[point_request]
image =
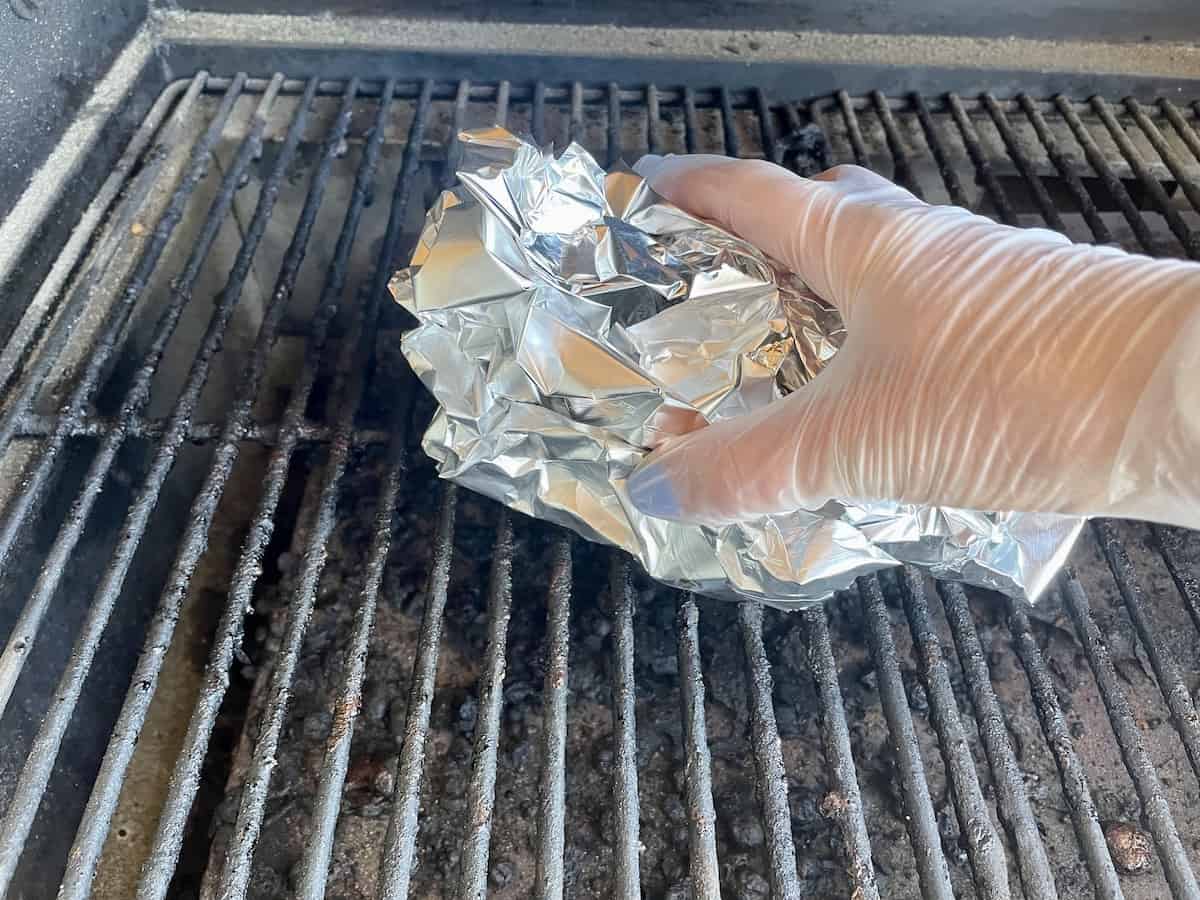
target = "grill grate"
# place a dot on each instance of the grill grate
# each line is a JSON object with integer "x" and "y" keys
{"x": 1127, "y": 173}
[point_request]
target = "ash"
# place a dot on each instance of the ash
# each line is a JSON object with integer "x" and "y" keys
{"x": 367, "y": 798}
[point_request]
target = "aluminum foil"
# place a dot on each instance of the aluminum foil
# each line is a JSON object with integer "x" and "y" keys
{"x": 570, "y": 320}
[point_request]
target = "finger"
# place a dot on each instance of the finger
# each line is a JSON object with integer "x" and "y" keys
{"x": 790, "y": 218}
{"x": 773, "y": 460}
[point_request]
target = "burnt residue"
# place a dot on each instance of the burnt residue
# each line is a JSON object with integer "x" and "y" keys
{"x": 1131, "y": 848}
{"x": 670, "y": 719}
{"x": 680, "y": 768}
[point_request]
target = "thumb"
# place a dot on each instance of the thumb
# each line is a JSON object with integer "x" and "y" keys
{"x": 778, "y": 458}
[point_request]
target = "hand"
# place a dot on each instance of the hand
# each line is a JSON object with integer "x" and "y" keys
{"x": 985, "y": 366}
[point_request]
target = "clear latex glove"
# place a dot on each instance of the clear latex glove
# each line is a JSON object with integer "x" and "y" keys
{"x": 985, "y": 367}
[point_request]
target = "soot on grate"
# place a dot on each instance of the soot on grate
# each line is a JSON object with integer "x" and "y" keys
{"x": 432, "y": 697}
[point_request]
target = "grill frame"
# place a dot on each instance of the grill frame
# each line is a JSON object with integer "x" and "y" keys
{"x": 990, "y": 875}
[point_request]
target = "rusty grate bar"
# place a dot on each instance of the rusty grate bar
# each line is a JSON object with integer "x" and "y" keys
{"x": 1044, "y": 204}
{"x": 19, "y": 643}
{"x": 1151, "y": 184}
{"x": 35, "y": 426}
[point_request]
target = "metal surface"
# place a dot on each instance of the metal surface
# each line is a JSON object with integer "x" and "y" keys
{"x": 1111, "y": 171}
{"x": 701, "y": 814}
{"x": 625, "y": 782}
{"x": 472, "y": 881}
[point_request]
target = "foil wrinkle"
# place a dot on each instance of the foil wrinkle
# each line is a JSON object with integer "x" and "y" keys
{"x": 570, "y": 320}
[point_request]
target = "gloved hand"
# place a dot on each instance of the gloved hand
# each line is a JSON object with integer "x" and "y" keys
{"x": 985, "y": 366}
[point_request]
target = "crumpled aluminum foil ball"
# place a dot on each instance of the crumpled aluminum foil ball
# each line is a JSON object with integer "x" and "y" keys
{"x": 570, "y": 320}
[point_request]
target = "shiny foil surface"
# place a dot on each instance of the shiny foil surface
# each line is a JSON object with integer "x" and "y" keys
{"x": 570, "y": 320}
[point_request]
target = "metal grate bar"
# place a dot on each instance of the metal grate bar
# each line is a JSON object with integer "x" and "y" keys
{"x": 314, "y": 865}
{"x": 235, "y": 873}
{"x": 473, "y": 868}
{"x": 552, "y": 771}
{"x": 984, "y": 849}
{"x": 844, "y": 801}
{"x": 538, "y": 118}
{"x": 983, "y": 165}
{"x": 45, "y": 306}
{"x": 557, "y": 92}
{"x": 176, "y": 99}
{"x": 690, "y": 126}
{"x": 625, "y": 774}
{"x": 1074, "y": 779}
{"x": 933, "y": 140}
{"x": 903, "y": 173}
{"x": 1152, "y": 185}
{"x": 503, "y": 91}
{"x": 472, "y": 877}
{"x": 395, "y": 868}
{"x": 771, "y": 785}
{"x": 1012, "y": 798}
{"x": 733, "y": 145}
{"x": 843, "y": 804}
{"x": 1066, "y": 166}
{"x": 60, "y": 333}
{"x": 1169, "y": 545}
{"x": 853, "y": 129}
{"x": 1024, "y": 165}
{"x": 1166, "y": 670}
{"x": 93, "y": 829}
{"x": 614, "y": 123}
{"x": 653, "y": 120}
{"x": 1145, "y": 778}
{"x": 1185, "y": 131}
{"x": 1190, "y": 189}
{"x": 34, "y": 426}
{"x": 1100, "y": 166}
{"x": 702, "y": 815}
{"x": 454, "y": 148}
{"x": 20, "y": 505}
{"x": 766, "y": 126}
{"x": 38, "y": 767}
{"x": 577, "y": 112}
{"x": 932, "y": 871}
{"x": 21, "y": 640}
{"x": 185, "y": 777}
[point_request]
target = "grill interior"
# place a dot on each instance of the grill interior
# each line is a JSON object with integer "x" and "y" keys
{"x": 255, "y": 649}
